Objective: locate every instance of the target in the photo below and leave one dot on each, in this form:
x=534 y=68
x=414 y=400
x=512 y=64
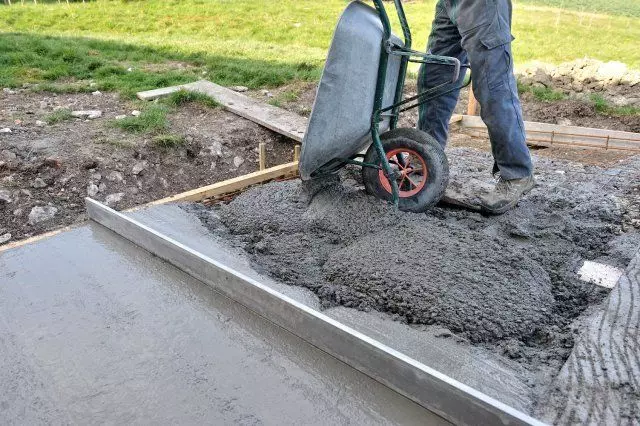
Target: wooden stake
x=296 y=153
x=262 y=152
x=472 y=107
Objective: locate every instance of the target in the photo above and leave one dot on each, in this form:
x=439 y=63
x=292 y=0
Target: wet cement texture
x=96 y=330
x=507 y=283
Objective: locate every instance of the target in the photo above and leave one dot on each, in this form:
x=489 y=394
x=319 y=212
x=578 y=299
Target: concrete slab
x=96 y=330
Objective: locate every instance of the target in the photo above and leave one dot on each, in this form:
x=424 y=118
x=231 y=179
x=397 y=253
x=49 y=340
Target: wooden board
x=545 y=134
x=277 y=119
x=600 y=382
x=230 y=185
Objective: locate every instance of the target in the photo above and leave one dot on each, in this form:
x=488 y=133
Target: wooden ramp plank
x=600 y=382
x=277 y=119
x=546 y=134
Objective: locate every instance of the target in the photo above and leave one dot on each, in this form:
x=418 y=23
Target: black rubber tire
x=432 y=153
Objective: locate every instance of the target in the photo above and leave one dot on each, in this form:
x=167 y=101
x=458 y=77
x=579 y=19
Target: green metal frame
x=406 y=53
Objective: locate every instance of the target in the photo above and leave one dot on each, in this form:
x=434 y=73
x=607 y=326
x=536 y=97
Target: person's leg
x=494 y=85
x=444 y=40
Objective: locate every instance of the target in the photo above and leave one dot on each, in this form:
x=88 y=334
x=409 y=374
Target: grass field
x=130 y=46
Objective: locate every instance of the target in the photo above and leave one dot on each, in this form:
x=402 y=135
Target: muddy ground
x=506 y=283
x=53 y=167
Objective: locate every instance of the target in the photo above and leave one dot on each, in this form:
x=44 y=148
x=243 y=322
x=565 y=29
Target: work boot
x=506 y=194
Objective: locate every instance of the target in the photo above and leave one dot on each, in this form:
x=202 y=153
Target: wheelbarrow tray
x=340 y=122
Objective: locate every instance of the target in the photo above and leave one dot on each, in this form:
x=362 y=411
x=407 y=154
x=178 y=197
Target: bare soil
x=56 y=165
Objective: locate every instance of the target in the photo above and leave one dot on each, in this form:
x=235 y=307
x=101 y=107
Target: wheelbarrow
x=355 y=116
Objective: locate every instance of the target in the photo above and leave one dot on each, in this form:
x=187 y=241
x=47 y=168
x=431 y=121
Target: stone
x=5 y=197
x=115 y=176
x=240 y=89
x=96 y=176
x=215 y=149
x=8 y=156
x=39 y=183
x=18 y=212
x=237 y=161
x=121 y=117
x=90 y=114
x=612 y=70
x=564 y=122
x=4 y=238
x=26 y=193
x=8 y=91
x=96 y=93
x=136 y=113
x=92 y=190
x=139 y=167
x=113 y=199
x=102 y=187
x=5 y=130
x=42 y=214
x=40 y=123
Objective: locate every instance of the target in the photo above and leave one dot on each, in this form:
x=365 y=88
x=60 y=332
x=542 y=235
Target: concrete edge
x=431 y=389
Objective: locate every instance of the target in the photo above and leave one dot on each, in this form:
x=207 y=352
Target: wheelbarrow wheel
x=423 y=170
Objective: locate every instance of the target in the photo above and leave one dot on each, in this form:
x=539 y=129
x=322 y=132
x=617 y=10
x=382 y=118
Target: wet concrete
x=507 y=284
x=435 y=347
x=96 y=330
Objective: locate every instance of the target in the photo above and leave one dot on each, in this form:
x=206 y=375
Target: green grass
x=545 y=94
x=58 y=116
x=168 y=141
x=129 y=46
x=153 y=118
x=182 y=97
x=603 y=107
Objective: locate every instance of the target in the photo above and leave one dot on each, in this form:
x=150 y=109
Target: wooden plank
x=262 y=155
x=600 y=382
x=472 y=106
x=277 y=119
x=455 y=118
x=435 y=391
x=546 y=134
x=229 y=186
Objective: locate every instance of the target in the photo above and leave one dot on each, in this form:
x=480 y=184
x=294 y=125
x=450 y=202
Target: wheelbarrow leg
x=386 y=167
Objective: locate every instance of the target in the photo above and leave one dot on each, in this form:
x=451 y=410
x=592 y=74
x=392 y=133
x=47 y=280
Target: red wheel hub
x=412 y=172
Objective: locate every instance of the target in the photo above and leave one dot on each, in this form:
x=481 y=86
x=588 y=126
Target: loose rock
x=40 y=123
x=38 y=183
x=115 y=176
x=4 y=238
x=136 y=113
x=42 y=214
x=5 y=197
x=239 y=88
x=5 y=130
x=139 y=167
x=90 y=114
x=92 y=190
x=113 y=199
x=237 y=161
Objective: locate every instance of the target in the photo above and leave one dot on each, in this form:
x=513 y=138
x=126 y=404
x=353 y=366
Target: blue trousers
x=478 y=32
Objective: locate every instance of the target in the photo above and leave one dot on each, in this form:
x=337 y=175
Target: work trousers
x=478 y=32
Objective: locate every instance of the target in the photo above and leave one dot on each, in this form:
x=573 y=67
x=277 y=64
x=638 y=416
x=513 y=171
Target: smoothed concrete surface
x=96 y=330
